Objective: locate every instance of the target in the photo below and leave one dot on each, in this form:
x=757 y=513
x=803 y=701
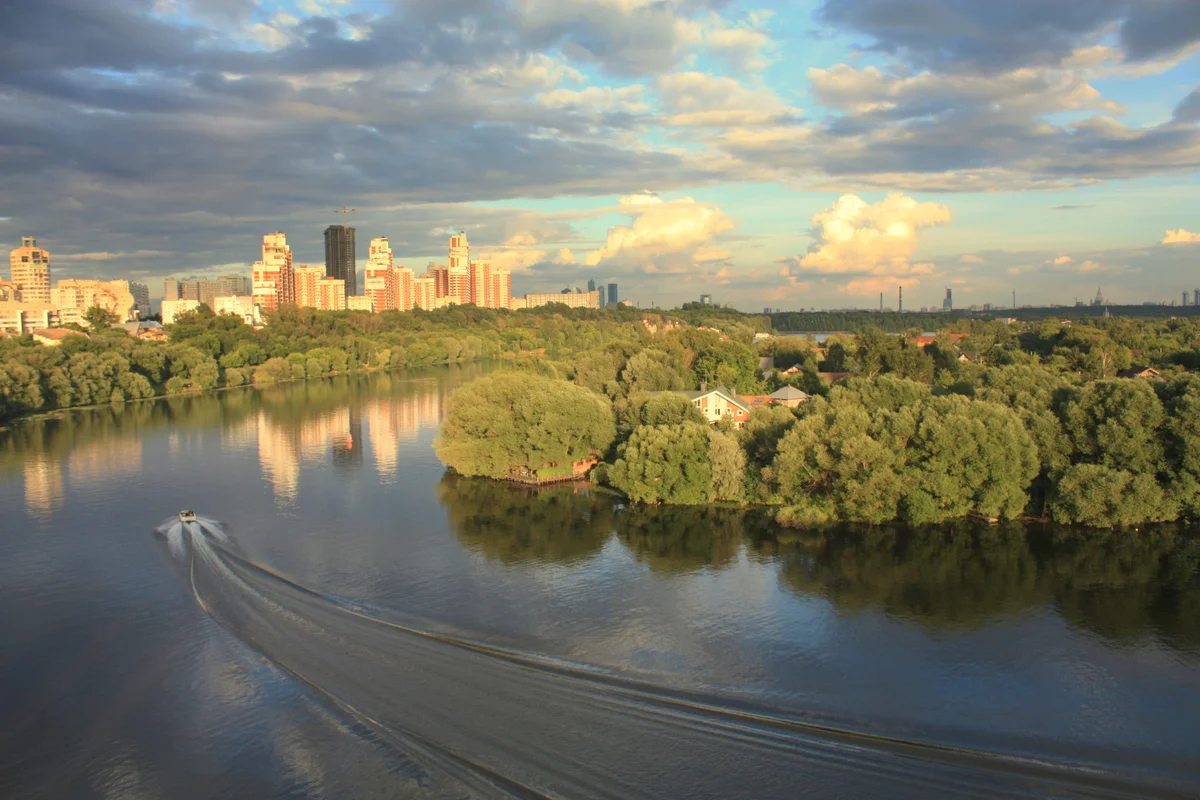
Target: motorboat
x=187 y=516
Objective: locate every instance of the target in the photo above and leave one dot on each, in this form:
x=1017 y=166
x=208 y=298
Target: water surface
x=375 y=627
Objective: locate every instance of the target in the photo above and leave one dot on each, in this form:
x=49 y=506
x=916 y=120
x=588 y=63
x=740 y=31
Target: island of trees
x=987 y=418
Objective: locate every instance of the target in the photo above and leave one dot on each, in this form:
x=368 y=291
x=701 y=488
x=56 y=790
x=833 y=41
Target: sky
x=772 y=154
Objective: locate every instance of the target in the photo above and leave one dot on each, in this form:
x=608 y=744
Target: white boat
x=187 y=516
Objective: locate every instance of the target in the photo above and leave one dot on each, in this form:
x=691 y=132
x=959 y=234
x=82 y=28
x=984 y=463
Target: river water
x=351 y=621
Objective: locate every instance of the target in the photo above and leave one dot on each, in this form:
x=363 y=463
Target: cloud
x=971 y=258
x=1060 y=261
x=990 y=37
x=1072 y=207
x=871 y=244
x=1181 y=237
x=672 y=237
x=697 y=99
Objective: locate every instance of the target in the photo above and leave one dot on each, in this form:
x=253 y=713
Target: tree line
x=1033 y=424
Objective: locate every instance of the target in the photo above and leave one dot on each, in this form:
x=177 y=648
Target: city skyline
x=808 y=154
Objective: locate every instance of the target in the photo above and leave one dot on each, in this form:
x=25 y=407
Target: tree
x=665 y=464
x=728 y=466
x=1102 y=496
x=98 y=318
x=1117 y=424
x=668 y=408
x=509 y=424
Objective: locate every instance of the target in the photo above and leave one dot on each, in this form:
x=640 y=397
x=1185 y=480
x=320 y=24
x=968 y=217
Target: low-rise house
x=720 y=403
x=788 y=396
x=1137 y=371
x=968 y=357
x=54 y=337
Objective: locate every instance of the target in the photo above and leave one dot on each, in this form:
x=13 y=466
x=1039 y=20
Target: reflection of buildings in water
x=241 y=433
x=394 y=420
x=104 y=460
x=43 y=485
x=283 y=447
x=348 y=446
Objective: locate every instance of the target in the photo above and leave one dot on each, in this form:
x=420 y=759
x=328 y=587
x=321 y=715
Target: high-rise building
x=171 y=289
x=441 y=278
x=402 y=279
x=141 y=297
x=481 y=284
x=238 y=305
x=612 y=294
x=379 y=278
x=425 y=292
x=233 y=286
x=1196 y=297
x=340 y=259
x=30 y=266
x=331 y=294
x=501 y=288
x=948 y=302
x=591 y=284
x=274 y=282
x=459 y=278
x=460 y=251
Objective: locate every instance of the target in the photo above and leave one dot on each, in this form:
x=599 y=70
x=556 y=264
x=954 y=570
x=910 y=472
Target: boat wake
x=494 y=722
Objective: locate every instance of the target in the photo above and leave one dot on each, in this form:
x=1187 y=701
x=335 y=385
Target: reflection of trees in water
x=1120 y=586
x=513 y=524
x=682 y=538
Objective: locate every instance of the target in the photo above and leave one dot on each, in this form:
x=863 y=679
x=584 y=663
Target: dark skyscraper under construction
x=339 y=257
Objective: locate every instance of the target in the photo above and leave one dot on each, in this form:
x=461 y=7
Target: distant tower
x=881 y=301
x=948 y=302
x=1014 y=299
x=612 y=294
x=1184 y=301
x=1099 y=301
x=591 y=284
x=1196 y=298
x=900 y=305
x=340 y=259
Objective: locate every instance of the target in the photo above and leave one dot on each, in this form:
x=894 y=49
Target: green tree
x=728 y=461
x=665 y=464
x=98 y=318
x=510 y=424
x=1102 y=496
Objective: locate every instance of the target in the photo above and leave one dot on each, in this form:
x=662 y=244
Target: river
x=351 y=621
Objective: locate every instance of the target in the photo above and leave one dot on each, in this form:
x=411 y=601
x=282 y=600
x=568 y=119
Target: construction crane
x=344 y=211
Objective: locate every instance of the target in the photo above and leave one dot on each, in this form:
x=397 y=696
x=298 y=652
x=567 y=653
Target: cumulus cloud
x=1181 y=236
x=870 y=244
x=971 y=258
x=665 y=236
x=1060 y=261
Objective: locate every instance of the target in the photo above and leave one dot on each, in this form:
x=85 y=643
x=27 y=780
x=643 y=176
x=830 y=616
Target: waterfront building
x=360 y=302
x=274 y=281
x=379 y=278
x=171 y=289
x=340 y=258
x=314 y=289
x=172 y=309
x=9 y=293
x=331 y=295
x=29 y=266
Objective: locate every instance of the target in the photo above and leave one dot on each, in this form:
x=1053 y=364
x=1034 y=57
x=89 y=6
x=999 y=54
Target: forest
x=990 y=421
